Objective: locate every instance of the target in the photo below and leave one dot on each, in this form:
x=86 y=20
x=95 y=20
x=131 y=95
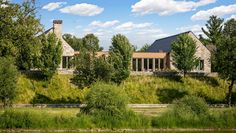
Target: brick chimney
x=57 y=28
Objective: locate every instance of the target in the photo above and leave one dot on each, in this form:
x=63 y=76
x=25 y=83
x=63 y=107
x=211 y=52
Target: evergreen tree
x=183 y=53
x=120 y=56
x=226 y=55
x=50 y=55
x=8 y=80
x=214 y=28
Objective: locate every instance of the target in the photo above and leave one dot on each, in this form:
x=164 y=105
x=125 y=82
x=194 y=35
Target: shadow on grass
x=168 y=95
x=174 y=78
x=208 y=80
x=42 y=99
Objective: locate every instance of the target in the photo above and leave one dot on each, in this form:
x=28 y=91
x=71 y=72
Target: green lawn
x=141 y=89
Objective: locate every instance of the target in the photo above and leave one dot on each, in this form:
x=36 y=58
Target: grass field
x=141 y=89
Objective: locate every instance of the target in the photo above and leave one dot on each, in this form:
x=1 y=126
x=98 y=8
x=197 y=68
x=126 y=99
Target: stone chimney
x=57 y=28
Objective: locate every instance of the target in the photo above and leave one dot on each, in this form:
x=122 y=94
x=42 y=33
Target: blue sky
x=142 y=21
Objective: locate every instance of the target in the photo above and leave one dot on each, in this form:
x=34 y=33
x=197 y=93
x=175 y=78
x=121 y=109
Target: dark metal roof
x=164 y=44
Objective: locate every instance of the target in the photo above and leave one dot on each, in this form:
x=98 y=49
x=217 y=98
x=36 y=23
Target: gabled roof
x=164 y=44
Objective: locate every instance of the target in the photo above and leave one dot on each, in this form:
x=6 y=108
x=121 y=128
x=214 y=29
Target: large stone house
x=156 y=58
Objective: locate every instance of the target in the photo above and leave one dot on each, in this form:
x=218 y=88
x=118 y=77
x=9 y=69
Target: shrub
x=107 y=98
x=189 y=111
x=107 y=104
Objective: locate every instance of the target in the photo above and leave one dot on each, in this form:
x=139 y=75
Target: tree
x=91 y=43
x=74 y=42
x=18 y=29
x=50 y=55
x=120 y=56
x=226 y=56
x=144 y=48
x=8 y=80
x=183 y=53
x=214 y=28
x=85 y=69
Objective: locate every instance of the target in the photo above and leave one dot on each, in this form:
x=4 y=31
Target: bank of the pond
x=177 y=130
x=72 y=119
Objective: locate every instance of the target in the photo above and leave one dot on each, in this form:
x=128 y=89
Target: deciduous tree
x=120 y=55
x=183 y=53
x=226 y=55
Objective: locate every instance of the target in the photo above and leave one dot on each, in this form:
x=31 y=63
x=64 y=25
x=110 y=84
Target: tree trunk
x=230 y=92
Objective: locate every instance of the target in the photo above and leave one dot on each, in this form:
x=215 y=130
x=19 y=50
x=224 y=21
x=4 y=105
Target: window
x=64 y=62
x=145 y=64
x=134 y=64
x=156 y=64
x=162 y=63
x=139 y=64
x=150 y=64
x=201 y=65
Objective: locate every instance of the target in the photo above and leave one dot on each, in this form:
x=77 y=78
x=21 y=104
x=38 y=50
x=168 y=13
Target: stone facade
x=202 y=53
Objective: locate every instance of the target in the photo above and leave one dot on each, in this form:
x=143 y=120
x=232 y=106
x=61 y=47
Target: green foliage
x=226 y=55
x=120 y=56
x=107 y=104
x=85 y=69
x=107 y=98
x=73 y=41
x=183 y=53
x=8 y=80
x=214 y=29
x=103 y=69
x=18 y=29
x=91 y=43
x=51 y=53
x=192 y=112
x=32 y=89
x=144 y=48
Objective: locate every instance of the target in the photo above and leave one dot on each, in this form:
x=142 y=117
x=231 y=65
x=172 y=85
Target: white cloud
x=167 y=7
x=104 y=24
x=83 y=9
x=131 y=26
x=54 y=5
x=218 y=11
x=231 y=17
x=196 y=29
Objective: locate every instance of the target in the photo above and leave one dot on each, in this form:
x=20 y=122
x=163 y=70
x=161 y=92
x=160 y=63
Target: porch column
x=136 y=64
x=142 y=64
x=153 y=64
x=164 y=63
x=159 y=64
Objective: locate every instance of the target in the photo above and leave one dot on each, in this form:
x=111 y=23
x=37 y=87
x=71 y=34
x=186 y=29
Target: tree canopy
x=226 y=55
x=183 y=53
x=121 y=54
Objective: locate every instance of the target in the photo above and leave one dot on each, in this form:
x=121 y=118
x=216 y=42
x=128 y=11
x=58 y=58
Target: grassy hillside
x=141 y=89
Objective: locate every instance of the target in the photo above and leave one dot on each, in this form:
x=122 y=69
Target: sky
x=141 y=21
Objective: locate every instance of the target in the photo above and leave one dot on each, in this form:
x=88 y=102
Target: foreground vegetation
x=182 y=115
x=140 y=89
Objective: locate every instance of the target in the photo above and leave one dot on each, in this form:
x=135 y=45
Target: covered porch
x=149 y=61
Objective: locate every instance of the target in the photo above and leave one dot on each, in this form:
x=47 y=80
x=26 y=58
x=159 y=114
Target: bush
x=107 y=104
x=189 y=111
x=107 y=98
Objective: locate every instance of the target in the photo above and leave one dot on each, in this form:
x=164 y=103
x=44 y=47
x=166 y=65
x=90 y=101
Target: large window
x=139 y=64
x=64 y=62
x=150 y=64
x=145 y=64
x=162 y=63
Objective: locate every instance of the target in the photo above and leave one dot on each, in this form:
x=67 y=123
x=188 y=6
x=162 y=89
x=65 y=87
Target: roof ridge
x=174 y=35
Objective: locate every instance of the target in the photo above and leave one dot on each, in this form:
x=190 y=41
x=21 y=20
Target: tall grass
x=192 y=112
